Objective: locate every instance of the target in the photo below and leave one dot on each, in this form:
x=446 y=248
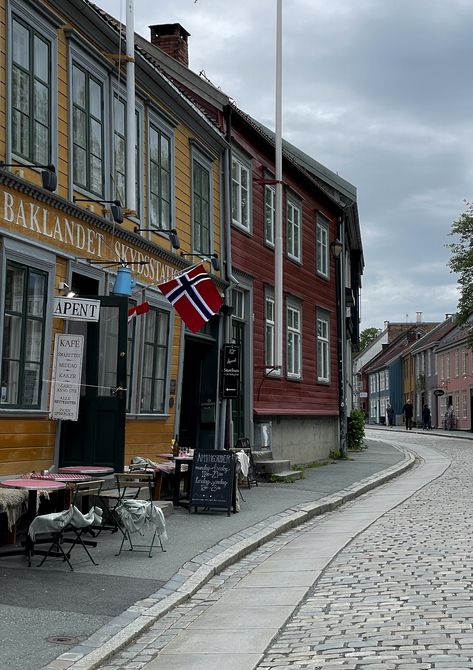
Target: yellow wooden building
x=63 y=111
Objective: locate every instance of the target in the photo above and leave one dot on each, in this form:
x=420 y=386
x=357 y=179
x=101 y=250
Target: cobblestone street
x=398 y=595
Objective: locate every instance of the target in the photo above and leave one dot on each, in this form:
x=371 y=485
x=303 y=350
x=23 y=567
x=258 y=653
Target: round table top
x=87 y=470
x=33 y=484
x=66 y=477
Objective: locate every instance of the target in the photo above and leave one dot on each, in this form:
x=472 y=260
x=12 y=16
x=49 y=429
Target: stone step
x=287 y=476
x=262 y=454
x=272 y=466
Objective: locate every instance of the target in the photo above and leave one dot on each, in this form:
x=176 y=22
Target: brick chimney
x=172 y=39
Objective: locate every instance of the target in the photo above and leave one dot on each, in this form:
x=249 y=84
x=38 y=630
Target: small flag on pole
x=194 y=296
x=133 y=312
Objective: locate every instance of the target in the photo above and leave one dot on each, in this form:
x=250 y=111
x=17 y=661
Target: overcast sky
x=379 y=92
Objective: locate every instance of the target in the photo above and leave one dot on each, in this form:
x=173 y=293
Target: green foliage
x=461 y=262
x=356 y=430
x=367 y=336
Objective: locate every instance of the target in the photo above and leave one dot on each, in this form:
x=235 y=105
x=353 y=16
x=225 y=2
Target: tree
x=367 y=336
x=461 y=262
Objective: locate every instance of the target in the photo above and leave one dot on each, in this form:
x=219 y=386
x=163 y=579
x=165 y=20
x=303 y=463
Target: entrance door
x=98 y=437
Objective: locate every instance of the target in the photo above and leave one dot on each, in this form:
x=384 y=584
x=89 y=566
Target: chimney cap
x=159 y=29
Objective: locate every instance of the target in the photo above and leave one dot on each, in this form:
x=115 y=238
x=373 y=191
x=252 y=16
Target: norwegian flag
x=133 y=312
x=194 y=296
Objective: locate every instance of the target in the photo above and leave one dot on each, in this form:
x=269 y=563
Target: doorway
x=198 y=413
x=98 y=436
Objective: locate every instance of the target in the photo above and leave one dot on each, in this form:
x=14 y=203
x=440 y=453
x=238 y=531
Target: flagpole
x=278 y=243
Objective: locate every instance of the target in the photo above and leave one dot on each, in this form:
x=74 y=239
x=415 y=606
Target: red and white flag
x=194 y=296
x=133 y=312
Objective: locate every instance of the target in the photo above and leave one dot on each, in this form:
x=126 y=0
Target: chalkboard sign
x=213 y=480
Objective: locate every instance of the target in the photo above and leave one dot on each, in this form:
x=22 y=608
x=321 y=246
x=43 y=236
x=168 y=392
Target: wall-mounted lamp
x=48 y=173
x=336 y=248
x=115 y=209
x=170 y=232
x=211 y=258
x=66 y=289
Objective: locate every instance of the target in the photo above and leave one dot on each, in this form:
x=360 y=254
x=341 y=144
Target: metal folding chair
x=135 y=515
x=129 y=485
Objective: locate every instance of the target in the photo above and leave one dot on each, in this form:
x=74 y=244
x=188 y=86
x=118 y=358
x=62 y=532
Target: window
x=447 y=366
x=322 y=257
x=457 y=404
x=269 y=332
x=155 y=361
x=464 y=362
x=387 y=379
x=464 y=406
x=238 y=304
x=201 y=208
x=31 y=104
x=429 y=362
x=293 y=315
x=269 y=214
x=87 y=130
x=23 y=336
x=323 y=349
x=240 y=194
x=119 y=148
x=440 y=362
x=293 y=231
x=456 y=363
x=160 y=176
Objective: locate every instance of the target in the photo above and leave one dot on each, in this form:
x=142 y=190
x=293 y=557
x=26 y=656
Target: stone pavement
x=269 y=511
x=382 y=582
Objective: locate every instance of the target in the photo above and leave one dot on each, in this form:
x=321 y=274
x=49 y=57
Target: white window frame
x=464 y=405
x=323 y=348
x=206 y=166
x=456 y=362
x=270 y=335
x=239 y=167
x=269 y=214
x=293 y=340
x=322 y=258
x=447 y=366
x=294 y=230
x=464 y=362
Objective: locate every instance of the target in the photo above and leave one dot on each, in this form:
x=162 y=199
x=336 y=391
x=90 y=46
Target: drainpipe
x=130 y=109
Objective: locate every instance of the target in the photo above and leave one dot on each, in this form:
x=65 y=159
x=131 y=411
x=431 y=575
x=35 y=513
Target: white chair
x=59 y=523
x=136 y=515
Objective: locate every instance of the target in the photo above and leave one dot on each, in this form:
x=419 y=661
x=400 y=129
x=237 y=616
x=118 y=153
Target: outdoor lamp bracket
x=211 y=258
x=170 y=232
x=48 y=173
x=116 y=209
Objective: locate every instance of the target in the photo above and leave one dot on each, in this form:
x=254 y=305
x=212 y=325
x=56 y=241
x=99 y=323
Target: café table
x=32 y=485
x=91 y=470
x=65 y=477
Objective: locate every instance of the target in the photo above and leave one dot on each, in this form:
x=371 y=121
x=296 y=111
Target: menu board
x=213 y=480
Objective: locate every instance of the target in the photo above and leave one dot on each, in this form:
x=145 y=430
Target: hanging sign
x=76 y=309
x=439 y=392
x=67 y=372
x=230 y=377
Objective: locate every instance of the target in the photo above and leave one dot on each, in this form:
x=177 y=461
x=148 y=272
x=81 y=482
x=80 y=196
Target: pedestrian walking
x=426 y=417
x=390 y=413
x=408 y=412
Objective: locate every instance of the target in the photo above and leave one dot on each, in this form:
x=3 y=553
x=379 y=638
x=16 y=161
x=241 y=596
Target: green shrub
x=356 y=430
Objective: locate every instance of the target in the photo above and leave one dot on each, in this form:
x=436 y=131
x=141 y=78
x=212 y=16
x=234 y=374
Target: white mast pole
x=130 y=108
x=278 y=242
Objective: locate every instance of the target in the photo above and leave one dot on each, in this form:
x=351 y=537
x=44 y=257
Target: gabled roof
x=391 y=351
x=432 y=338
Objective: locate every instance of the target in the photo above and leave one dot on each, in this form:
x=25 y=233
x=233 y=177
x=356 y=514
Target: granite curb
x=123 y=629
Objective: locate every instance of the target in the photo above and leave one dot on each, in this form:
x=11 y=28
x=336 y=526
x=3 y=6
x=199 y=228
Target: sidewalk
x=95 y=611
x=457 y=434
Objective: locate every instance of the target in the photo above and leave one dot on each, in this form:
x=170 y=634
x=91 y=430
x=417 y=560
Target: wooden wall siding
x=26 y=444
x=251 y=255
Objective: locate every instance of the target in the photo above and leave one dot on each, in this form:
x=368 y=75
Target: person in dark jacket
x=426 y=421
x=408 y=412
x=390 y=413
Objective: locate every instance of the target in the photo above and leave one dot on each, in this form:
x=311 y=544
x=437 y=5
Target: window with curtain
x=293 y=231
x=269 y=214
x=23 y=336
x=159 y=178
x=323 y=348
x=155 y=361
x=201 y=217
x=30 y=93
x=294 y=341
x=240 y=194
x=87 y=130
